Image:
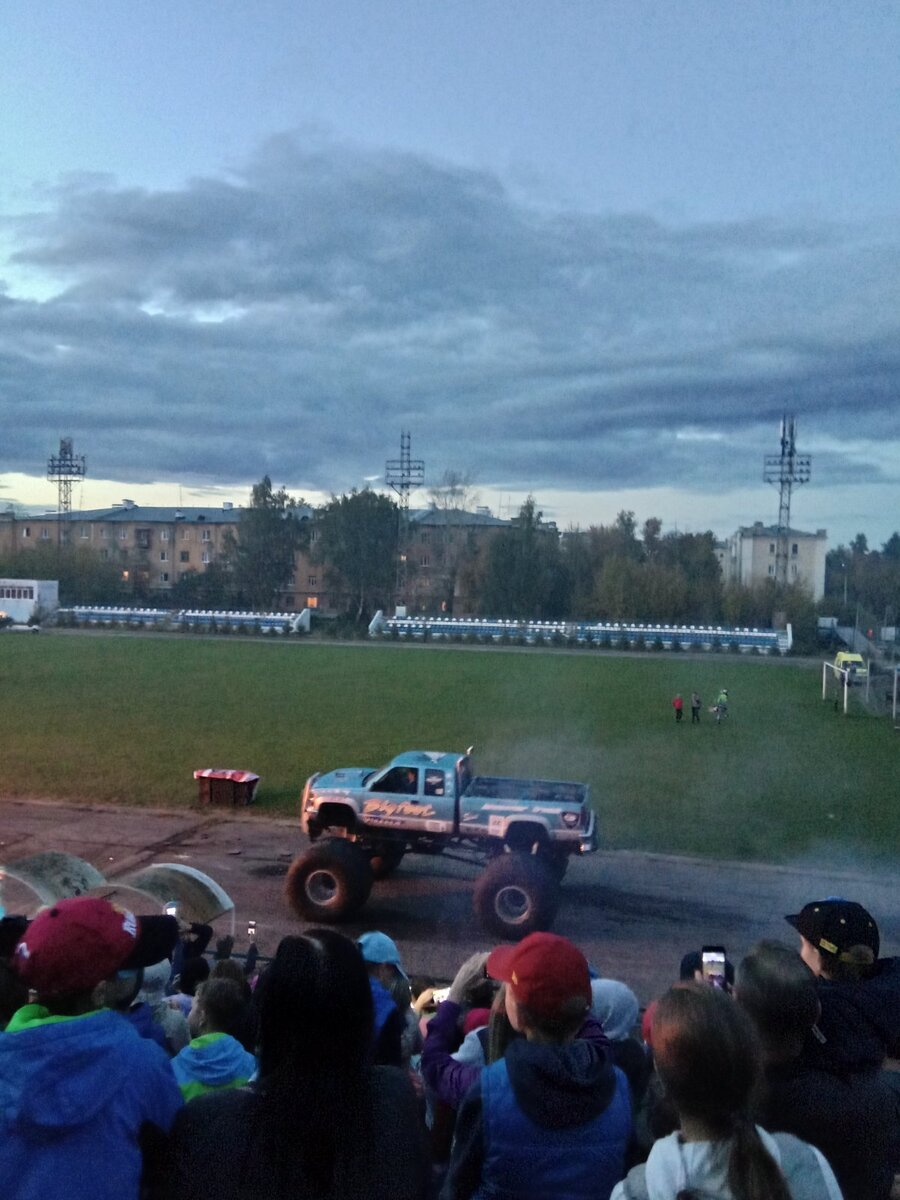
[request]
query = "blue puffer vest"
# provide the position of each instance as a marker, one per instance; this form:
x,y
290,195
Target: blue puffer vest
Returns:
x,y
526,1161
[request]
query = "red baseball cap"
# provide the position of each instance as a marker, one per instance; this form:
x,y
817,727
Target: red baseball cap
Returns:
x,y
544,970
77,943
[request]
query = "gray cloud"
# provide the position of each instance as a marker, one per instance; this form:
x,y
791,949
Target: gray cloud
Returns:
x,y
293,317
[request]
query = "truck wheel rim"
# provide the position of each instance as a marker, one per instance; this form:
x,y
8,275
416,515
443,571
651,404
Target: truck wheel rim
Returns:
x,y
321,886
512,904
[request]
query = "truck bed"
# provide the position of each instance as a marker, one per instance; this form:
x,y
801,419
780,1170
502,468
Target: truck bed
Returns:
x,y
541,791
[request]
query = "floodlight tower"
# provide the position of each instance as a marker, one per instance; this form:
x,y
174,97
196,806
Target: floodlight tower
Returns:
x,y
402,475
785,469
65,468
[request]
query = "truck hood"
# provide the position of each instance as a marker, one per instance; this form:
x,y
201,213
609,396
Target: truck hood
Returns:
x,y
343,777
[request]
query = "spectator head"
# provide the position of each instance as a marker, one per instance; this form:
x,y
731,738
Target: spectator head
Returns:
x,y
194,971
776,988
838,938
709,1061
315,1006
548,991
616,1007
707,1054
228,969
382,958
219,1006
76,945
155,981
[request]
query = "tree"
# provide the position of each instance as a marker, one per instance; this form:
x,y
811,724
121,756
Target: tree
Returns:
x,y
358,547
82,576
454,545
524,575
261,558
454,493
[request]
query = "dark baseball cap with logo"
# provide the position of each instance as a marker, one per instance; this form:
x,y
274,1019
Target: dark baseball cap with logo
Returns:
x,y
77,943
836,925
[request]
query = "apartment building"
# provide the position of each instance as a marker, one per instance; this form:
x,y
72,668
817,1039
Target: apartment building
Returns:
x,y
749,555
152,546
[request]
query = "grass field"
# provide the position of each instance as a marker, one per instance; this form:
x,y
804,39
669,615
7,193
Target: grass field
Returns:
x,y
126,718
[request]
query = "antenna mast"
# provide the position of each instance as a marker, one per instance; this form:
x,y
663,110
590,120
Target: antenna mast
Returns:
x,y
403,475
785,469
65,468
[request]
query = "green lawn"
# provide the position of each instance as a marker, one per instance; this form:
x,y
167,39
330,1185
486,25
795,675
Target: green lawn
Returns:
x,y
127,718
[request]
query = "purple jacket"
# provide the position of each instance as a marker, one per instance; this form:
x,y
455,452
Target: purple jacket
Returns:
x,y
449,1079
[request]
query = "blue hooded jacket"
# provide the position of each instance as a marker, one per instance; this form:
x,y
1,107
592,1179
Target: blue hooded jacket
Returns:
x,y
210,1062
74,1096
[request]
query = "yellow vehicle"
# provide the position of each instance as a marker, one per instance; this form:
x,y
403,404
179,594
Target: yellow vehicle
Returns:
x,y
855,664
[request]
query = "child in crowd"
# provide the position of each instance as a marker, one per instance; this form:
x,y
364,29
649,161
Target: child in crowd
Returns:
x,y
553,1116
214,1058
709,1062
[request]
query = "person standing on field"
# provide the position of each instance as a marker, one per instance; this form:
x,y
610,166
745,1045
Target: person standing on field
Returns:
x,y
721,706
696,705
678,705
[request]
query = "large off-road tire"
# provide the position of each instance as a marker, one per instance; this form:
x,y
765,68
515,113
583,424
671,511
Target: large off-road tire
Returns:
x,y
386,858
330,881
515,895
555,863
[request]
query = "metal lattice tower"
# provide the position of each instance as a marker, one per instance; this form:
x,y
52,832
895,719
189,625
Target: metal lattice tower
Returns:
x,y
65,468
785,469
403,475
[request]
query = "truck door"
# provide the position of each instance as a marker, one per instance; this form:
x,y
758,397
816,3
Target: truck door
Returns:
x,y
409,798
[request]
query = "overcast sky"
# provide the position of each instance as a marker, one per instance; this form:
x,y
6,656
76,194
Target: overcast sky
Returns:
x,y
587,250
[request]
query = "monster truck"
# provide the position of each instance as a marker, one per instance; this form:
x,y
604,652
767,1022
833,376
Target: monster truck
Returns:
x,y
361,821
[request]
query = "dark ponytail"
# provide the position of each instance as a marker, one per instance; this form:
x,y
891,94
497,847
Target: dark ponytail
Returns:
x,y
753,1173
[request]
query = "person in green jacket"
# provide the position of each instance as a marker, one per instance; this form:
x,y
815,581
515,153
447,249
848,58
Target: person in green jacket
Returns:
x,y
214,1058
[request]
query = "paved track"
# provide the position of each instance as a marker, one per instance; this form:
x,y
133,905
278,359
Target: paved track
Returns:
x,y
634,914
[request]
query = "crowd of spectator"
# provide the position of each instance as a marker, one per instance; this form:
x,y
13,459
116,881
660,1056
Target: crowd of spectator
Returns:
x,y
133,1068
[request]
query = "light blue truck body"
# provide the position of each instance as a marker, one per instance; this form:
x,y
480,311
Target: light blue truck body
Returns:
x,y
428,799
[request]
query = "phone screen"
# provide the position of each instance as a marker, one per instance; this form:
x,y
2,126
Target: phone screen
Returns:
x,y
712,959
441,994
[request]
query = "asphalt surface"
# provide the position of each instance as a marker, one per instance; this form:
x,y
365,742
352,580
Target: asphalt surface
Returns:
x,y
634,914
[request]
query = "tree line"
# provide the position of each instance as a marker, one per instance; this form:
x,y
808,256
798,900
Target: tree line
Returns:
x,y
525,570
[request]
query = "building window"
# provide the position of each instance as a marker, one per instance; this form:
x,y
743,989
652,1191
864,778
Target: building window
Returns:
x,y
185,535
312,601
164,577
104,531
204,536
424,536
84,531
771,569
45,534
26,532
312,581
289,601
771,547
794,570
164,535
795,548
423,561
315,534
104,555
185,556
204,557
163,556
123,535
